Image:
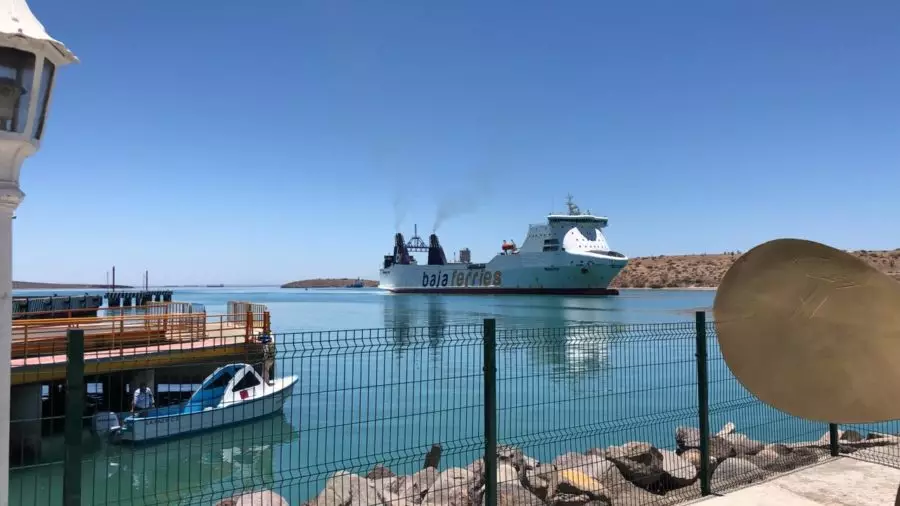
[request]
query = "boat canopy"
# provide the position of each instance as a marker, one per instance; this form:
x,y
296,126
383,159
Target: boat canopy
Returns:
x,y
222,381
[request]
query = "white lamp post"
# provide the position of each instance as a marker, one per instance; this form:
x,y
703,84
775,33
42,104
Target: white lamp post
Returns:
x,y
29,59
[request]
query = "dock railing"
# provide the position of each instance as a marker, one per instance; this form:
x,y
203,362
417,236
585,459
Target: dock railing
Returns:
x,y
463,414
154,325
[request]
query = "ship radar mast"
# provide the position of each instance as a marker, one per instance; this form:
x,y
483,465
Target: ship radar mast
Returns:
x,y
573,208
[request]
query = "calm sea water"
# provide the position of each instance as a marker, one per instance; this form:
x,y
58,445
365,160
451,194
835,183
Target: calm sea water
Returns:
x,y
388,395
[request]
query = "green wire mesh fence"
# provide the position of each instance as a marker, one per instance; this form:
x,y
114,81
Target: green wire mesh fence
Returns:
x,y
464,415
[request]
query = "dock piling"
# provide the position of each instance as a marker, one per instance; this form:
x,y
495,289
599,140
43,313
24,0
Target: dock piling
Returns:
x,y
74,417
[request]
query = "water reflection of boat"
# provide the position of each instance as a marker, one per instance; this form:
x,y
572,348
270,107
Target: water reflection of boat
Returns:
x,y
229,459
560,332
193,470
437,320
398,319
411,319
571,345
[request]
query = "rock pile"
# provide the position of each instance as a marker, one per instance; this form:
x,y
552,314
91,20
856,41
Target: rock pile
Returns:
x,y
635,473
262,498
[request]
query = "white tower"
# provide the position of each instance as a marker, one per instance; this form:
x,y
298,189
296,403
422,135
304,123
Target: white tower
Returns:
x,y
29,59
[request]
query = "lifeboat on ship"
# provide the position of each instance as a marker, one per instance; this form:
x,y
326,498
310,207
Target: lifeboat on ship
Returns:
x,y
508,247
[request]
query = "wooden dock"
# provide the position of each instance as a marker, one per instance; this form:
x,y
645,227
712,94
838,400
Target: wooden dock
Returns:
x,y
132,342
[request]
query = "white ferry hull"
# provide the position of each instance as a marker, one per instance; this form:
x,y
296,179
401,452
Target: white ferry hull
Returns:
x,y
538,273
567,255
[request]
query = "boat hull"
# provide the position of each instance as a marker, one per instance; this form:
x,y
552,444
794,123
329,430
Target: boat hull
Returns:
x,y
540,274
154,428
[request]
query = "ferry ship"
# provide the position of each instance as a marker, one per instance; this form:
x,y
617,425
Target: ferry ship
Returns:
x,y
566,255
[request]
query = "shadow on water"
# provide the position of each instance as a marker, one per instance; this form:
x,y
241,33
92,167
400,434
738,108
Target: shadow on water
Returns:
x,y
187,471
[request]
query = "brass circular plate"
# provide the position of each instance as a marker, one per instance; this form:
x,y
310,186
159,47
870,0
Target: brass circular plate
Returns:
x,y
812,331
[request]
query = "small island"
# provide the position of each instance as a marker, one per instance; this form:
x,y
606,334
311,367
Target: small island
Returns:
x,y
329,283
707,270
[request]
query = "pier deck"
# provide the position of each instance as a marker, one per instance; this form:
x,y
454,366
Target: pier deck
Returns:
x,y
130,342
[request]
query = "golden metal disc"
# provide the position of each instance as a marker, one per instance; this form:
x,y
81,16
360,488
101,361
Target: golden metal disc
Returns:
x,y
813,331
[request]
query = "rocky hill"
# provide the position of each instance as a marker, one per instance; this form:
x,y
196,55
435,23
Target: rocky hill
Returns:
x,y
328,283
706,270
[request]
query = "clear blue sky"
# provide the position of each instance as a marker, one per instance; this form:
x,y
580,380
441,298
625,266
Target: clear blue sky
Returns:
x,y
261,142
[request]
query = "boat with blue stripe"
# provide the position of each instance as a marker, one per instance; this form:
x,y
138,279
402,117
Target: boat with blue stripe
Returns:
x,y
233,393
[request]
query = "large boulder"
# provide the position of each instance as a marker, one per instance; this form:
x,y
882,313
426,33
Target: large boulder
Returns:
x,y
261,498
677,472
506,474
720,448
800,457
618,489
514,494
412,488
573,486
454,487
379,472
735,471
743,445
541,480
640,463
344,489
515,457
687,438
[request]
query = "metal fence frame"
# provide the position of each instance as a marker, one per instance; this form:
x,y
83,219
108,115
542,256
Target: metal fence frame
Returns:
x,y
493,449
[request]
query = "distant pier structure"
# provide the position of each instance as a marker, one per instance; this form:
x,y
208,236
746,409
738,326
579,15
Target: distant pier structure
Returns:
x,y
82,306
139,298
56,306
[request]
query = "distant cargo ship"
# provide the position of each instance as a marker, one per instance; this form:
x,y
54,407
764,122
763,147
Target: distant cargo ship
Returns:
x,y
567,255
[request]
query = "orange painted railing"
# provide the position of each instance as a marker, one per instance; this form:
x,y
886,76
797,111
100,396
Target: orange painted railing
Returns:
x,y
46,336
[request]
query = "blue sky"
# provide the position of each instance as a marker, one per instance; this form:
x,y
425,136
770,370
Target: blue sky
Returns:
x,y
263,142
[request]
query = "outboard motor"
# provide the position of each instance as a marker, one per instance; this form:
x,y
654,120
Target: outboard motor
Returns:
x,y
435,251
105,424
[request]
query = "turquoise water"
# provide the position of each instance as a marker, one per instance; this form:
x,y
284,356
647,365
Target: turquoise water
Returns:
x,y
415,378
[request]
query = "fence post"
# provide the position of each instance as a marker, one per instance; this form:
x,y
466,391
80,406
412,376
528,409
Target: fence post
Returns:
x,y
703,402
490,412
248,325
73,417
834,440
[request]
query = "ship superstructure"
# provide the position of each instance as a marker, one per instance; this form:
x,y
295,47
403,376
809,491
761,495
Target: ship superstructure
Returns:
x,y
566,255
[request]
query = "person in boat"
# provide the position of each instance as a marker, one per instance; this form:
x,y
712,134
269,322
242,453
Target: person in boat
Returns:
x,y
142,400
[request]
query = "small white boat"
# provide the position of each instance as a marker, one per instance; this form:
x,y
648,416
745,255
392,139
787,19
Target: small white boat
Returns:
x,y
233,393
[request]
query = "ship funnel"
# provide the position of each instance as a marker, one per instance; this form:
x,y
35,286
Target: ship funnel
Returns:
x,y
435,251
401,255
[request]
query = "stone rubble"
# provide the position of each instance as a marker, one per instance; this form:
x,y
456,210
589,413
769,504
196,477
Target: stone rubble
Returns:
x,y
634,473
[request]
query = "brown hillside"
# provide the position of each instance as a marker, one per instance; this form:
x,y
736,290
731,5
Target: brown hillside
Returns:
x,y
689,271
